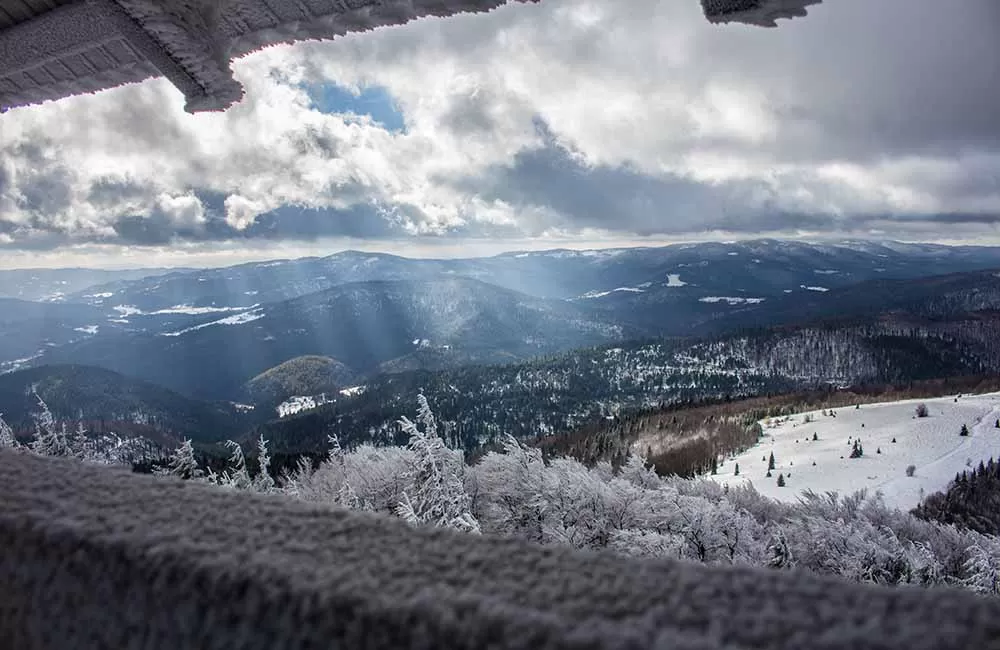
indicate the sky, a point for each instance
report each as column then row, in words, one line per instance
column 566, row 123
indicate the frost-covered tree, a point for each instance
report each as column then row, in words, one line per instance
column 50, row 438
column 437, row 496
column 507, row 489
column 263, row 481
column 983, row 566
column 964, row 431
column 781, row 480
column 7, row 439
column 770, row 462
column 236, row 476
column 182, row 462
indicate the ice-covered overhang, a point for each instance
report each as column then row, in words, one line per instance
column 763, row 13
column 50, row 49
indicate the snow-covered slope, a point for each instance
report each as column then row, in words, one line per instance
column 932, row 444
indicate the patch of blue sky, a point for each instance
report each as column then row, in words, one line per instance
column 373, row 101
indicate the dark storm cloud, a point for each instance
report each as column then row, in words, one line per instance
column 286, row 223
column 46, row 191
column 864, row 80
column 298, row 223
column 624, row 199
column 111, row 192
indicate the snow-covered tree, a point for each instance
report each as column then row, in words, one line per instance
column 7, row 439
column 182, row 462
column 50, row 438
column 437, row 494
column 263, row 481
column 236, row 477
column 983, row 566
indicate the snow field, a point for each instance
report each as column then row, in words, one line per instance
column 932, row 444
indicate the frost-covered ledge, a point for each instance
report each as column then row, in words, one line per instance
column 92, row 557
column 762, row 13
column 90, row 45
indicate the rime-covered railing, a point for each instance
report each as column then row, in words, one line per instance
column 95, row 557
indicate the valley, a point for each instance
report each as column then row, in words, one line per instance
column 528, row 344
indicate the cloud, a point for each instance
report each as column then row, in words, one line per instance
column 567, row 117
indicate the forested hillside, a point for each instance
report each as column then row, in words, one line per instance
column 557, row 394
column 107, row 401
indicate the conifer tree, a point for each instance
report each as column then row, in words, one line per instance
column 781, row 480
column 182, row 462
column 7, row 438
column 770, row 462
column 964, row 431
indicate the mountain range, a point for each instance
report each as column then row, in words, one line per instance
column 544, row 338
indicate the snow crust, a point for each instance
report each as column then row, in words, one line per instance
column 601, row 294
column 932, row 444
column 674, row 280
column 299, row 404
column 194, row 311
column 732, row 300
column 237, row 319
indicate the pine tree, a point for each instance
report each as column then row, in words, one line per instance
column 736, row 472
column 815, row 437
column 7, row 438
column 182, row 462
column 964, row 431
column 263, row 481
column 770, row 462
column 50, row 439
column 715, row 466
column 781, row 480
column 857, row 451
column 998, row 423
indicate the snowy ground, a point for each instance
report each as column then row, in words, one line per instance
column 932, row 444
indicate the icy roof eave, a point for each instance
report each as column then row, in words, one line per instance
column 97, row 44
